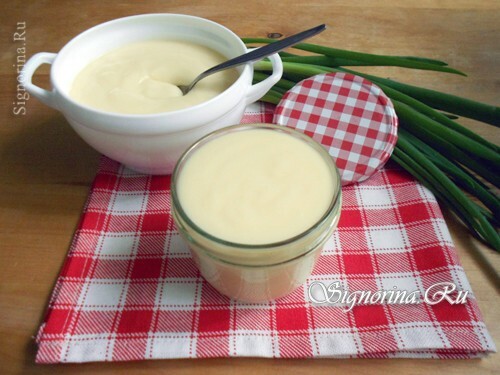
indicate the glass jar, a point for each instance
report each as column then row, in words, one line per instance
column 257, row 272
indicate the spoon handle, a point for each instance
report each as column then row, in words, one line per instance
column 261, row 52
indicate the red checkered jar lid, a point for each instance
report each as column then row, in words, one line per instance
column 348, row 115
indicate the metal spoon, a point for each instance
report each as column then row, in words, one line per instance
column 256, row 54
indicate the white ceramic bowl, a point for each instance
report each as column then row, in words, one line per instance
column 150, row 143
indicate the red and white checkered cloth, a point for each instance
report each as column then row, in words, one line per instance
column 130, row 291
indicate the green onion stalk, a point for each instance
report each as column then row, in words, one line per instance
column 459, row 166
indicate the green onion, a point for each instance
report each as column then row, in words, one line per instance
column 334, row 62
column 448, row 158
column 282, row 83
column 424, row 128
column 381, row 60
column 272, row 97
column 456, row 138
column 445, row 190
column 446, row 102
column 459, row 175
column 435, row 115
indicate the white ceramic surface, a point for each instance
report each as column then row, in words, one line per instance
column 150, row 143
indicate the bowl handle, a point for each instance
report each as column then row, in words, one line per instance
column 45, row 96
column 258, row 90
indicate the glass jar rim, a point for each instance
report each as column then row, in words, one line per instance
column 221, row 132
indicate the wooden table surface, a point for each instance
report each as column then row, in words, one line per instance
column 46, row 169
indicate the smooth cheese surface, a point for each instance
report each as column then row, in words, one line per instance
column 142, row 77
column 255, row 187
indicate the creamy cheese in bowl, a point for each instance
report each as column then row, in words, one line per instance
column 137, row 135
column 256, row 203
column 143, row 77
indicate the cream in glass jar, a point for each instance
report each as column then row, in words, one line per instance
column 256, row 203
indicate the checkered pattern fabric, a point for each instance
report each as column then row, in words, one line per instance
column 349, row 115
column 129, row 290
